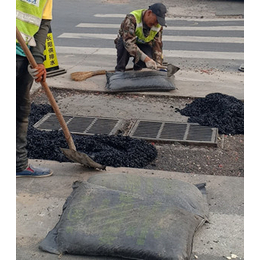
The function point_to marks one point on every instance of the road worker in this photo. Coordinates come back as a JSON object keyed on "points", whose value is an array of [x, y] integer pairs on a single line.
{"points": [[140, 37], [33, 18]]}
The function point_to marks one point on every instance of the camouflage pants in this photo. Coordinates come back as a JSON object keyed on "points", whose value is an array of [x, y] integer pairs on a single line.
{"points": [[24, 83]]}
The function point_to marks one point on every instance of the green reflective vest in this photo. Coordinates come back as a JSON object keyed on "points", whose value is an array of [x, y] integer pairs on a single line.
{"points": [[28, 18], [139, 28]]}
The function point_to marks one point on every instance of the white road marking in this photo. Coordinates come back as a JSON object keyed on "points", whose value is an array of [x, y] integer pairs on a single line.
{"points": [[175, 28], [176, 19], [165, 38], [167, 53]]}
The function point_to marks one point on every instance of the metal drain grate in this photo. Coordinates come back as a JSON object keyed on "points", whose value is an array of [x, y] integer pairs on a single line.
{"points": [[50, 122], [174, 132], [81, 125], [142, 129]]}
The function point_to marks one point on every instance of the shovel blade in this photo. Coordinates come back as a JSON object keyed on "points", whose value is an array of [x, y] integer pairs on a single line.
{"points": [[171, 70], [82, 158]]}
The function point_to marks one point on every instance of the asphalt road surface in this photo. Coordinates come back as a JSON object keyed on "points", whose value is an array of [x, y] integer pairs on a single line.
{"points": [[87, 29]]}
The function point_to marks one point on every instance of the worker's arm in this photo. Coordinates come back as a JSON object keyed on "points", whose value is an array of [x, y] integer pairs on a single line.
{"points": [[39, 73], [127, 32], [40, 38], [157, 47]]}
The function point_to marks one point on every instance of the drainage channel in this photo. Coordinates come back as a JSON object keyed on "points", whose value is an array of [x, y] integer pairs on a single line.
{"points": [[156, 131]]}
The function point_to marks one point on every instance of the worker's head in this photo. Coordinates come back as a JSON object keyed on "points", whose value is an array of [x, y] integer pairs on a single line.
{"points": [[155, 14]]}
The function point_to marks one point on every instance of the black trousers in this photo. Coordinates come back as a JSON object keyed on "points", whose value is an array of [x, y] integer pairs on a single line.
{"points": [[123, 56], [24, 83]]}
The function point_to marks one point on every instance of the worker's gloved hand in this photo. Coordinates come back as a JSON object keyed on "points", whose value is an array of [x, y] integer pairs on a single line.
{"points": [[151, 64], [38, 73]]}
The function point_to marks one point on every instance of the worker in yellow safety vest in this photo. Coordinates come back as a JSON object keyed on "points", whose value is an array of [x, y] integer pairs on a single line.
{"points": [[33, 19], [140, 36]]}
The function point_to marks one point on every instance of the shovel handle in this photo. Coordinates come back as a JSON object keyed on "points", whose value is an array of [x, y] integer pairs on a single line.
{"points": [[48, 92], [161, 67]]}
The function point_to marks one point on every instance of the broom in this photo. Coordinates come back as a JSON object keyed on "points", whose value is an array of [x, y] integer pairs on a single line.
{"points": [[83, 75]]}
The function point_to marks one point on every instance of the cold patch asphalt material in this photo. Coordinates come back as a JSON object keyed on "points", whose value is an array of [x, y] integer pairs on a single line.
{"points": [[217, 110], [116, 151]]}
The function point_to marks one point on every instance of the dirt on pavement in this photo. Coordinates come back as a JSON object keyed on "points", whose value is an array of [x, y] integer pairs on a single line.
{"points": [[227, 159]]}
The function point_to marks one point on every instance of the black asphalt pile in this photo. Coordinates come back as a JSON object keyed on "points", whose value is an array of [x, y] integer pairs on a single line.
{"points": [[217, 110], [116, 151]]}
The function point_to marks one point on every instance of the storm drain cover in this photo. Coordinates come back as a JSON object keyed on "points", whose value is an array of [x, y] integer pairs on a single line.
{"points": [[81, 125], [171, 132], [140, 129]]}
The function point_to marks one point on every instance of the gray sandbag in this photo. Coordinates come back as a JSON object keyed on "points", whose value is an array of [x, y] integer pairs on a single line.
{"points": [[131, 81], [129, 216]]}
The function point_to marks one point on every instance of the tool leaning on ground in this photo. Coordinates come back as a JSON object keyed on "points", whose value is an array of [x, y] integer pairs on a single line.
{"points": [[80, 76], [171, 69], [70, 153]]}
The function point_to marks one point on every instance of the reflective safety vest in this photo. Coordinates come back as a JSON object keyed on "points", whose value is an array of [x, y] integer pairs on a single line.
{"points": [[28, 18], [139, 28]]}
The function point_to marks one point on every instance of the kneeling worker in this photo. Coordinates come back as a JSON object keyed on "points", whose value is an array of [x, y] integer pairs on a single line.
{"points": [[140, 36]]}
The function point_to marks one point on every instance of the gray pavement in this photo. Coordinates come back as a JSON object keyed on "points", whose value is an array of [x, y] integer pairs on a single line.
{"points": [[190, 82], [39, 201], [187, 83]]}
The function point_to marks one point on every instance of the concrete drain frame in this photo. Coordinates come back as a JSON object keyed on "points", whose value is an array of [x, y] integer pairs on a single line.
{"points": [[154, 131]]}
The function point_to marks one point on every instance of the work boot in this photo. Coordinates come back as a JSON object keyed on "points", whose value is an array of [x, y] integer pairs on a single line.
{"points": [[34, 172]]}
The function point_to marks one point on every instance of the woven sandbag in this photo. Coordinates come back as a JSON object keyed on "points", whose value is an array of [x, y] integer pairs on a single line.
{"points": [[129, 216], [131, 81]]}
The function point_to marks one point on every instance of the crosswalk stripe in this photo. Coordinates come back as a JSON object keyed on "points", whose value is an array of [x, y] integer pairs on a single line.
{"points": [[175, 19], [165, 38], [167, 53], [175, 28], [98, 25], [110, 15]]}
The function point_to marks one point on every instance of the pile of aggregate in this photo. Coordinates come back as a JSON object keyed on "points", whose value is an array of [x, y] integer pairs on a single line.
{"points": [[217, 110], [115, 151]]}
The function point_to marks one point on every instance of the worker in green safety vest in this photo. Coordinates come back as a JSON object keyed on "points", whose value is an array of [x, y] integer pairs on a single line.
{"points": [[140, 36], [33, 18]]}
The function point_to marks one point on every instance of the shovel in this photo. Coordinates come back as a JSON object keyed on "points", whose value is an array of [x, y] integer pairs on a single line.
{"points": [[171, 69], [70, 153]]}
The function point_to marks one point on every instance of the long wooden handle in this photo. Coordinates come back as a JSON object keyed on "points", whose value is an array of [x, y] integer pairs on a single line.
{"points": [[46, 88]]}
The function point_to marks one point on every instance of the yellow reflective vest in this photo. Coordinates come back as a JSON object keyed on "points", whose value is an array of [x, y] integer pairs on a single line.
{"points": [[139, 28], [28, 18]]}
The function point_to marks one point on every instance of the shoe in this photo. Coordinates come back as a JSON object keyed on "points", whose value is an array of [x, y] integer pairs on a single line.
{"points": [[241, 68], [34, 172]]}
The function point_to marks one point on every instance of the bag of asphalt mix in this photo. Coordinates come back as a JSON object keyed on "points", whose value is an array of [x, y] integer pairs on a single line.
{"points": [[129, 216], [130, 81]]}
